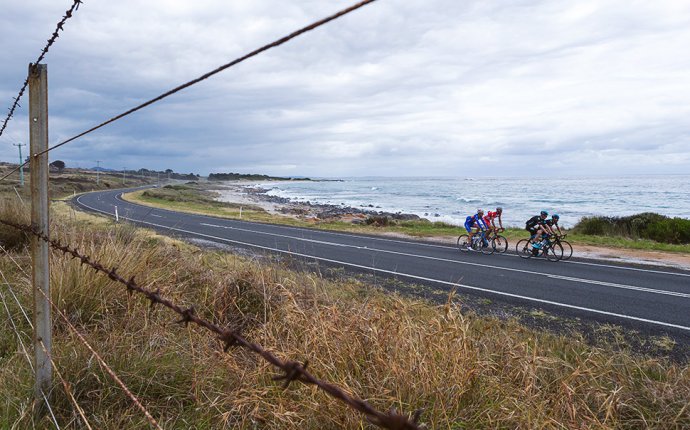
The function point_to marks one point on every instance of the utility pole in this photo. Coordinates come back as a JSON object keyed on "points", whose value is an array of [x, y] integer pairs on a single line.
{"points": [[123, 175], [21, 162], [98, 170], [40, 269]]}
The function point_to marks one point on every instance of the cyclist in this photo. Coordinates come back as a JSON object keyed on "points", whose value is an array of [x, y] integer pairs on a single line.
{"points": [[535, 226], [553, 223], [491, 216], [473, 224]]}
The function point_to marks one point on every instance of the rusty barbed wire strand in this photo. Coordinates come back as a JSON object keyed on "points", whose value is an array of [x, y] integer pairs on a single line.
{"points": [[44, 51], [66, 385], [205, 76], [292, 370]]}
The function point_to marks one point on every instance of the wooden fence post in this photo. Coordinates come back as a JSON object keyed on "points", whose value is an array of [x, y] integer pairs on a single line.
{"points": [[40, 270]]}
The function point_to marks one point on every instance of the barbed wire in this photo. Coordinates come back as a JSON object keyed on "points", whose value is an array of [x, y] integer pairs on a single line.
{"points": [[66, 386], [205, 76], [44, 51], [292, 370]]}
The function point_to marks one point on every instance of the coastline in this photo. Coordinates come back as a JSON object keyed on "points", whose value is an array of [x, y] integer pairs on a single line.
{"points": [[242, 192]]}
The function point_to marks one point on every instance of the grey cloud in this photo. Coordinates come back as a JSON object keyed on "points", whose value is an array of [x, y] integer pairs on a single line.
{"points": [[399, 87]]}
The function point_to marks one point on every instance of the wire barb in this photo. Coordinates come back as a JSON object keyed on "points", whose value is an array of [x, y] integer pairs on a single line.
{"points": [[44, 51]]}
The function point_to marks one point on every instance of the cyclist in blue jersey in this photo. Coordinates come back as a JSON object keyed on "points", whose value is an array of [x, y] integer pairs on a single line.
{"points": [[473, 224]]}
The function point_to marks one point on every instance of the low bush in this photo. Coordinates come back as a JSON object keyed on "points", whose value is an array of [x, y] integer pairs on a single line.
{"points": [[379, 221], [647, 225]]}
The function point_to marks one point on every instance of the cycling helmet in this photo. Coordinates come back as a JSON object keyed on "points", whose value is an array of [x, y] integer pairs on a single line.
{"points": [[555, 216], [499, 209], [544, 213], [480, 211]]}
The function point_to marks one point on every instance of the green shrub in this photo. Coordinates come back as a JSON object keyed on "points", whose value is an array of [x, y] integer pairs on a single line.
{"points": [[647, 225], [379, 221]]}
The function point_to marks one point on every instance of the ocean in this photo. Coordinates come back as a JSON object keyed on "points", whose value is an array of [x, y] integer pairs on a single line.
{"points": [[452, 199]]}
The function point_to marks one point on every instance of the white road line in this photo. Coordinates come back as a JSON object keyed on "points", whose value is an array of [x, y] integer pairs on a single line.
{"points": [[157, 216], [468, 287], [528, 272]]}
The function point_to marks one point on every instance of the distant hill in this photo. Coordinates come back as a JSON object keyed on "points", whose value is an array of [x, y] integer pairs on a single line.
{"points": [[250, 177]]}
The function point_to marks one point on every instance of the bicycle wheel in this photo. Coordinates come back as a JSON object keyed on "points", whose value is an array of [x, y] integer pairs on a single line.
{"points": [[554, 252], [501, 244], [524, 248], [567, 250], [487, 246], [463, 242]]}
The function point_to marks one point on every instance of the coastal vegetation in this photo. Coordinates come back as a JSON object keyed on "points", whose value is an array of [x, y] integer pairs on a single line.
{"points": [[248, 177], [465, 370], [647, 225]]}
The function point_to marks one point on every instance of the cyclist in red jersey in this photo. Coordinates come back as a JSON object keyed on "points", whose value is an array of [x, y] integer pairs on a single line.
{"points": [[490, 217]]}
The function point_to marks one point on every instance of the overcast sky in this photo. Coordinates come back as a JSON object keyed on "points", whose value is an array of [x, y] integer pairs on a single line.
{"points": [[397, 88]]}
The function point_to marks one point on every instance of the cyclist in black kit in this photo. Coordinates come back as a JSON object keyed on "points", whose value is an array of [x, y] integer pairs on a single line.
{"points": [[535, 226], [553, 224]]}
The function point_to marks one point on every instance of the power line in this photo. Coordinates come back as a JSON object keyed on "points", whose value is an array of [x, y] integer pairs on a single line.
{"points": [[205, 76], [44, 51]]}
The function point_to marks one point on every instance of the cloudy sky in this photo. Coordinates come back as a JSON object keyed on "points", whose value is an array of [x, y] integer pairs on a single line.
{"points": [[398, 88]]}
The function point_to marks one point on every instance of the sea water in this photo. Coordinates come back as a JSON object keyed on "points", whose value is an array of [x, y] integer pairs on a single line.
{"points": [[452, 199]]}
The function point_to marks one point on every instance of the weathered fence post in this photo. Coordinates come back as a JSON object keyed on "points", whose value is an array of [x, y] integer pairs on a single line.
{"points": [[40, 270]]}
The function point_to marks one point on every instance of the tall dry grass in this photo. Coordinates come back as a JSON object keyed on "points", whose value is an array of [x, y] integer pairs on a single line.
{"points": [[466, 371]]}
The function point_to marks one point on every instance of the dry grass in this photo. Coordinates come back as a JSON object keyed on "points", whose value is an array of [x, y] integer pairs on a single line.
{"points": [[465, 370]]}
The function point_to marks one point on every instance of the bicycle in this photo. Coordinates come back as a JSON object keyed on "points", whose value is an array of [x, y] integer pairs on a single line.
{"points": [[551, 250], [499, 241], [567, 247], [479, 242]]}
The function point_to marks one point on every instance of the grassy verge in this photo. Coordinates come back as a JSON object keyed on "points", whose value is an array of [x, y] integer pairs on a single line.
{"points": [[465, 370]]}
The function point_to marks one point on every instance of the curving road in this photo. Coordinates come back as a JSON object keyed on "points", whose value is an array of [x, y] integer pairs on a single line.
{"points": [[645, 297]]}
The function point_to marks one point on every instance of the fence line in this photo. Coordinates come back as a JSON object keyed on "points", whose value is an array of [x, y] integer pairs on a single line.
{"points": [[44, 51], [205, 76], [292, 370]]}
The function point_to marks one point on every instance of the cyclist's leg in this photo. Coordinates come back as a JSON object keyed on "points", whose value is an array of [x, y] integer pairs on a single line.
{"points": [[468, 227]]}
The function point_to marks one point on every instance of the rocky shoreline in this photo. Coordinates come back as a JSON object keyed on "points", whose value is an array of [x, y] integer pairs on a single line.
{"points": [[239, 192], [325, 212]]}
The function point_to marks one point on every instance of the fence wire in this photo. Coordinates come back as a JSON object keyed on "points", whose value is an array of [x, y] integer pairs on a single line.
{"points": [[44, 51], [292, 370], [205, 76]]}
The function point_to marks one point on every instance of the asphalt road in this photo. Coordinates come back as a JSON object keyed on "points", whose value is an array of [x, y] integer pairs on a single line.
{"points": [[635, 295]]}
